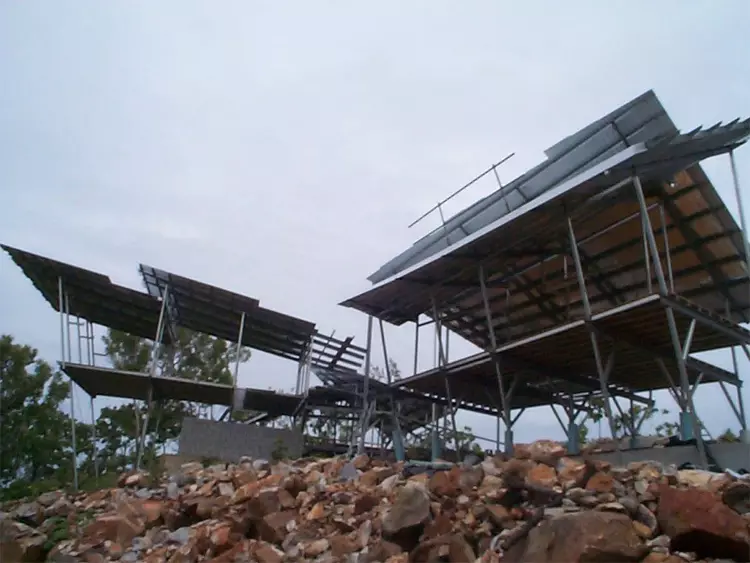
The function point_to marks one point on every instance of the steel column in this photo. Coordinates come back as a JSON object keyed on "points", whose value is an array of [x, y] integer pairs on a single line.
{"points": [[664, 291], [63, 305], [741, 209], [441, 358], [666, 247], [144, 429], [93, 441], [159, 332], [366, 387], [495, 361], [416, 346], [602, 371], [238, 350]]}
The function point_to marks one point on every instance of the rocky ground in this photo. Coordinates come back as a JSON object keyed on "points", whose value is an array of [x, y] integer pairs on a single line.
{"points": [[539, 506]]}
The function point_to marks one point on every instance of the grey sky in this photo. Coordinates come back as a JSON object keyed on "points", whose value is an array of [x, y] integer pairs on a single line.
{"points": [[281, 149]]}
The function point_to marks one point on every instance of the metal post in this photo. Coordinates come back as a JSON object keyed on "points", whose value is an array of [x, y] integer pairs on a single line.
{"points": [[497, 437], [67, 327], [493, 353], [65, 320], [144, 429], [447, 344], [646, 257], [159, 331], [741, 209], [435, 434], [666, 247], [602, 371], [239, 348], [675, 337], [416, 346], [93, 441], [366, 386], [385, 352], [78, 333], [61, 306], [441, 357]]}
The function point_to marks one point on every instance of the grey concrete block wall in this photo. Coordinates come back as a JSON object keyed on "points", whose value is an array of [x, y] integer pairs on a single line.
{"points": [[229, 441], [728, 455]]}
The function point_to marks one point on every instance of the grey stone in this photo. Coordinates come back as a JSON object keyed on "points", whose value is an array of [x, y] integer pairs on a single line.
{"points": [[180, 535], [630, 504], [141, 543], [129, 557], [173, 491], [662, 541], [261, 465], [348, 472], [641, 486], [49, 498], [143, 493]]}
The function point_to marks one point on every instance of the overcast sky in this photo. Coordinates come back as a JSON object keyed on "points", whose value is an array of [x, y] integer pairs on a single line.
{"points": [[280, 149]]}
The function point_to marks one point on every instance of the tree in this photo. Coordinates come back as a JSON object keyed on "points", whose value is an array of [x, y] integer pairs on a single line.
{"points": [[36, 434], [629, 419], [195, 356]]}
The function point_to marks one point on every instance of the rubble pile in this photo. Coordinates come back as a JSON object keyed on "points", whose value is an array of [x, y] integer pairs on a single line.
{"points": [[539, 506]]}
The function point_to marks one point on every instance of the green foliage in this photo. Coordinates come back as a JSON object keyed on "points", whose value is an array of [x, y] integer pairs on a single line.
{"points": [[30, 400], [279, 451], [728, 436], [39, 457], [623, 422]]}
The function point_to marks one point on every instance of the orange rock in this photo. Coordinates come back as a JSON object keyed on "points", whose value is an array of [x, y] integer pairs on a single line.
{"points": [[342, 545], [542, 475], [571, 472], [273, 527], [601, 483], [444, 483], [318, 511], [115, 528], [698, 521]]}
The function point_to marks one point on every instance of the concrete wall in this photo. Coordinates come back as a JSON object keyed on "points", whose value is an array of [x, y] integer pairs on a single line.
{"points": [[728, 455], [229, 441]]}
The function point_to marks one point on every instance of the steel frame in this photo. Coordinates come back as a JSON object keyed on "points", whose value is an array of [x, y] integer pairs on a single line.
{"points": [[660, 278]]}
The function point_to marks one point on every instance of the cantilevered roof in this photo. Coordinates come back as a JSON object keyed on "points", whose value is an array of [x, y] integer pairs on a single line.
{"points": [[637, 121], [91, 296], [526, 258], [211, 310]]}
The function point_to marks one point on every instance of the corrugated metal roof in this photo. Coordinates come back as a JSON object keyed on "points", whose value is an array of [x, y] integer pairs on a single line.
{"points": [[640, 120]]}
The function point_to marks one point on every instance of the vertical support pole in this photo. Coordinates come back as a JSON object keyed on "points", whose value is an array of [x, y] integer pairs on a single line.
{"points": [[442, 363], [144, 430], [741, 209], [497, 436], [646, 255], [93, 442], [159, 332], [61, 307], [574, 439], [78, 334], [238, 349], [666, 247], [744, 435], [686, 417], [67, 327], [385, 352], [447, 344], [495, 361], [366, 387], [602, 371], [64, 319], [416, 346], [435, 434]]}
